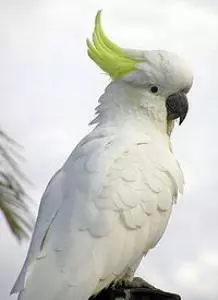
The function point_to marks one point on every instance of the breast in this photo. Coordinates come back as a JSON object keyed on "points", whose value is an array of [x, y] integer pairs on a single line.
{"points": [[141, 184]]}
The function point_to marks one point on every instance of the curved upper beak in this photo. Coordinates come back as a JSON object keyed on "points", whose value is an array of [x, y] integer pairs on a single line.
{"points": [[177, 107]]}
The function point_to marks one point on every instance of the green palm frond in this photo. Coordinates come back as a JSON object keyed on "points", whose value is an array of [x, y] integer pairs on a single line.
{"points": [[13, 198]]}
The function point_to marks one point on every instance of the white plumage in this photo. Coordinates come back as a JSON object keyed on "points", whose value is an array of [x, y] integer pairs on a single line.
{"points": [[110, 202]]}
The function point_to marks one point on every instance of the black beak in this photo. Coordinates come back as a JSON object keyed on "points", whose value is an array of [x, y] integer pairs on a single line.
{"points": [[177, 107]]}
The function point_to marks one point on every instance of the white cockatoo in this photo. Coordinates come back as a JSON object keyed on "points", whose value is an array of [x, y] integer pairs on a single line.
{"points": [[111, 201]]}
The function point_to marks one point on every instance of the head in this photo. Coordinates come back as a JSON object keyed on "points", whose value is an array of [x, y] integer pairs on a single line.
{"points": [[161, 74]]}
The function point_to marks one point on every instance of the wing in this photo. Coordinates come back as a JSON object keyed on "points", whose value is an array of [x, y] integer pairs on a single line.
{"points": [[116, 200], [50, 203]]}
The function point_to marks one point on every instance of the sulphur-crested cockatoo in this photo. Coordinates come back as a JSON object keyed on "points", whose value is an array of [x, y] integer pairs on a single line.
{"points": [[111, 201]]}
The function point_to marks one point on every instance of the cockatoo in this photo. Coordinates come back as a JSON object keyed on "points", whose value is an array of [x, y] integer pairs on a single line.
{"points": [[111, 201]]}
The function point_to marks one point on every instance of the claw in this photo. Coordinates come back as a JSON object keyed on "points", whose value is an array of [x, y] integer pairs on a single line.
{"points": [[137, 289]]}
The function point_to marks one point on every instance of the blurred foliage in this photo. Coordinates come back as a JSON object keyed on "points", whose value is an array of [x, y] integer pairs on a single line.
{"points": [[13, 198]]}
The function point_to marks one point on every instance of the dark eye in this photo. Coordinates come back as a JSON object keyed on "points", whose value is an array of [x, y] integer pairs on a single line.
{"points": [[154, 89]]}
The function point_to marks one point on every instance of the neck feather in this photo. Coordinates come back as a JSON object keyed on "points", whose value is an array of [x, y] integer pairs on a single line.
{"points": [[123, 103]]}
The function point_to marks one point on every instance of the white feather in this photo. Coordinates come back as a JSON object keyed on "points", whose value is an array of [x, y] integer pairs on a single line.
{"points": [[107, 206]]}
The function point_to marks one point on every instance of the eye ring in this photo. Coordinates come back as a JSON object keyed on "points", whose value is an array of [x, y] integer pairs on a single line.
{"points": [[154, 89]]}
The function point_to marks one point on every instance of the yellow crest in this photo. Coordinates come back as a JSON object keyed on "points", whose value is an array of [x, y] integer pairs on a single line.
{"points": [[108, 56]]}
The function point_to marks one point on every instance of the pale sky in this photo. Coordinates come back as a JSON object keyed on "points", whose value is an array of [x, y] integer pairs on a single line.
{"points": [[48, 91]]}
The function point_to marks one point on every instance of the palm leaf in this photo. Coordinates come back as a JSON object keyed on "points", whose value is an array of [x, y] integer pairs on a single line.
{"points": [[13, 198]]}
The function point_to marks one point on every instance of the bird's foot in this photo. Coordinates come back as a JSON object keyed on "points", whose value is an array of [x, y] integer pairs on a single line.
{"points": [[140, 287], [137, 282]]}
